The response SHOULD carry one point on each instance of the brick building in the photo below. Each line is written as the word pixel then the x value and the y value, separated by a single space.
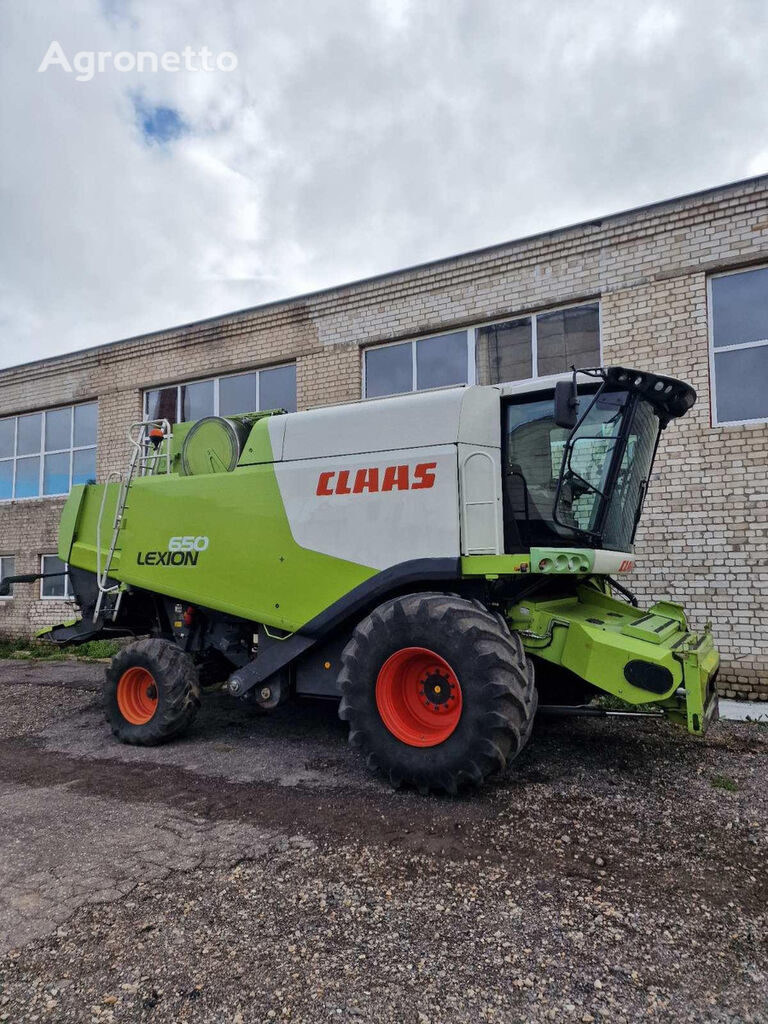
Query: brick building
pixel 679 287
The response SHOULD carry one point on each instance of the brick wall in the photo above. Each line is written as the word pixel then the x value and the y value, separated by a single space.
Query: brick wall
pixel 703 536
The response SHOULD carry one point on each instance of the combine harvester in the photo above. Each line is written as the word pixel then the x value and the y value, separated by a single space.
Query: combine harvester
pixel 436 562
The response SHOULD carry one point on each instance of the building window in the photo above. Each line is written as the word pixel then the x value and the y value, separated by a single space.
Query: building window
pixel 45 453
pixel 56 587
pixel 738 304
pixel 7 568
pixel 538 345
pixel 521 348
pixel 435 362
pixel 272 388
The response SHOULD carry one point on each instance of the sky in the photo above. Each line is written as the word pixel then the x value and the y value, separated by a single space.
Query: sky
pixel 352 138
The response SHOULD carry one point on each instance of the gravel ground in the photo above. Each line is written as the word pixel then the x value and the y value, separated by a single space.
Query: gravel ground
pixel 255 872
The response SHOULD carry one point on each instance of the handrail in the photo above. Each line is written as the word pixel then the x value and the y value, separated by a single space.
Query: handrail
pixel 147 438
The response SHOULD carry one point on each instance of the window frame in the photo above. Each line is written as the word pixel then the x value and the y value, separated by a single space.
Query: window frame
pixel 4 558
pixel 739 346
pixel 413 342
pixel 533 316
pixel 42 453
pixel 215 380
pixel 67 596
pixel 471 333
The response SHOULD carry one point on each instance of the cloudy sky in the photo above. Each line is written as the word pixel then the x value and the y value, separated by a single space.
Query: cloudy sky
pixel 354 137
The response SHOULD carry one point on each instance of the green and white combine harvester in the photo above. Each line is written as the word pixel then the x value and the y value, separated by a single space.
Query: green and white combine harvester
pixel 438 562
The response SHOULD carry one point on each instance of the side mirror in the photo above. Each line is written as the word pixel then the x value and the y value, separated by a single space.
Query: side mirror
pixel 566 404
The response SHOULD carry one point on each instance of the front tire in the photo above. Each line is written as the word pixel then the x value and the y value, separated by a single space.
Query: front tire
pixel 437 692
pixel 151 692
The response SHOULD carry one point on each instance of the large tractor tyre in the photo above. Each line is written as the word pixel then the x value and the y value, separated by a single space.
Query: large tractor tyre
pixel 437 692
pixel 151 692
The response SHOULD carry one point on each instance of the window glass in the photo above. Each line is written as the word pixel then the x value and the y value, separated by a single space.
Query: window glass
pixel 271 388
pixel 594 443
pixel 740 308
pixel 161 404
pixel 7 568
pixel 28 440
pixel 58 429
pixel 566 338
pixel 533 454
pixel 7 431
pixel 741 381
pixel 237 394
pixel 441 361
pixel 53 586
pixel 54 430
pixel 388 370
pixel 277 388
pixel 196 400
pixel 85 424
pixel 56 473
pixel 28 477
pixel 503 351
pixel 6 480
pixel 84 466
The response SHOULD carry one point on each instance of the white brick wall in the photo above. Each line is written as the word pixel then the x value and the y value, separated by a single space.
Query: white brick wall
pixel 703 537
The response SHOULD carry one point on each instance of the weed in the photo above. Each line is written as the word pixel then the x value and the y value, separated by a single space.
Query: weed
pixel 23 648
pixel 724 782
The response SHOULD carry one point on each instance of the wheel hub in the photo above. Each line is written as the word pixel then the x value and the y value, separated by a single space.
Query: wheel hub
pixel 437 690
pixel 418 697
pixel 137 695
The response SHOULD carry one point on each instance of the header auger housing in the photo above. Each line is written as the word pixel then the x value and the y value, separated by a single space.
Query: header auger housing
pixel 438 562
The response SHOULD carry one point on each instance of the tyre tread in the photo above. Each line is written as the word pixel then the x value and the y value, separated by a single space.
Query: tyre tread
pixel 506 699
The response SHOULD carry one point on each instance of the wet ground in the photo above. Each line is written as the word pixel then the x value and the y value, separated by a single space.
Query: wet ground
pixel 254 871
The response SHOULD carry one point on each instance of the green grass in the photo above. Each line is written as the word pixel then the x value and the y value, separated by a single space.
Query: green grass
pixel 724 782
pixel 22 647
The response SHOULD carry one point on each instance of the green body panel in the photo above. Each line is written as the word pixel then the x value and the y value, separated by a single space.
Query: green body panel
pixel 494 566
pixel 78 529
pixel 251 566
pixel 257 448
pixel 562 560
pixel 596 636
pixel 69 518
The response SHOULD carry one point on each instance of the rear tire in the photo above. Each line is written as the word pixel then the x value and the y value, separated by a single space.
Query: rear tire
pixel 151 692
pixel 437 692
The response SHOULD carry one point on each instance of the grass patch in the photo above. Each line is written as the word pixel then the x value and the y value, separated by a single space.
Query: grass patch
pixel 37 650
pixel 96 649
pixel 724 782
pixel 23 647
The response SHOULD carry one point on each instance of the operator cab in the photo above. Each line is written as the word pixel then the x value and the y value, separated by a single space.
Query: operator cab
pixel 584 486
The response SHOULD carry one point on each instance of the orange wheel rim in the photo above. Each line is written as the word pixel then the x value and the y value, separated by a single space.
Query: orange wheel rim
pixel 418 697
pixel 137 695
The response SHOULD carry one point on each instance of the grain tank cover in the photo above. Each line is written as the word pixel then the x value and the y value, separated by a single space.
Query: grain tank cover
pixel 213 445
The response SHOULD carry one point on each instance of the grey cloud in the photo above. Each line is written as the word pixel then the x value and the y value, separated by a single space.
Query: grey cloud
pixel 354 138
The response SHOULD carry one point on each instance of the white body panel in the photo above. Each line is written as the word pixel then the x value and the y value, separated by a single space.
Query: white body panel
pixel 455 509
pixel 418 420
pixel 332 506
pixel 610 562
pixel 482 523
